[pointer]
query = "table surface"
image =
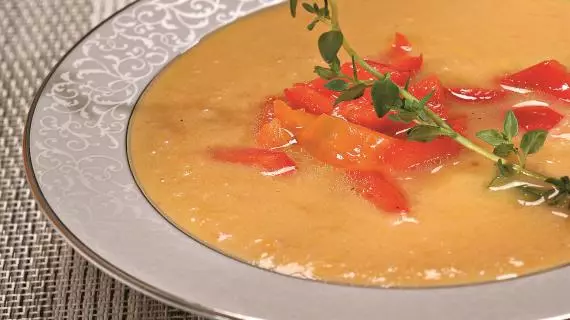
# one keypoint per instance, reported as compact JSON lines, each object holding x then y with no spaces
{"x":41,"y":276}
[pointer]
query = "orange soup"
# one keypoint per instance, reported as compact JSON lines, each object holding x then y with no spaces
{"x":239,"y":146}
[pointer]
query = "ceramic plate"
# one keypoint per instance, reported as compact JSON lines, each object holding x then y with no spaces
{"x":76,"y":160}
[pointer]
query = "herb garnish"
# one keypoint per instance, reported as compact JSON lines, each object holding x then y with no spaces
{"x":387,"y":97}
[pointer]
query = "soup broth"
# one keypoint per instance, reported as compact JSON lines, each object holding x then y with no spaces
{"x":311,"y":224}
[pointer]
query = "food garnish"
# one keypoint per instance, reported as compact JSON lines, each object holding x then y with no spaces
{"x":373,"y":118}
{"x":399,"y":103}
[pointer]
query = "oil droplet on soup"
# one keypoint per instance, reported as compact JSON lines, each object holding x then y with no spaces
{"x":311,"y":224}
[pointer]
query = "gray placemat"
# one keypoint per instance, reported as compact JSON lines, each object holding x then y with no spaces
{"x":41,"y":277}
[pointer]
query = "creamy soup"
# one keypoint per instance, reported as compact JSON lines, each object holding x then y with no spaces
{"x":312,"y":224}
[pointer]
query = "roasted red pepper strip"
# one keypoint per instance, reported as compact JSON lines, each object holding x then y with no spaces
{"x":400,"y":57}
{"x":401,"y":45}
{"x":273,"y":163}
{"x":408,"y":63}
{"x":310,"y":100}
{"x":362,"y":112}
{"x":342,"y":144}
{"x":548,"y":76}
{"x":420,"y":156}
{"x":427,"y":85}
{"x":399,"y":77}
{"x":477,"y":95}
{"x":266,"y":114}
{"x":379,"y":189}
{"x":424,"y":156}
{"x":534,"y":117}
{"x":319,"y":85}
{"x":347,"y":145}
{"x":292,"y":120}
{"x":272,"y":135}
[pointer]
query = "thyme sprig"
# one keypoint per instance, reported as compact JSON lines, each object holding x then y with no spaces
{"x":400,"y":105}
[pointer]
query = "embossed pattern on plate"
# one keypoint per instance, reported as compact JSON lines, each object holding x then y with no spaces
{"x":41,"y":277}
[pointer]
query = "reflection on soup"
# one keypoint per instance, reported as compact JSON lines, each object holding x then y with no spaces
{"x":237,"y":144}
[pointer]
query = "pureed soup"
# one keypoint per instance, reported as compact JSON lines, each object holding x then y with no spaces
{"x":424,"y":215}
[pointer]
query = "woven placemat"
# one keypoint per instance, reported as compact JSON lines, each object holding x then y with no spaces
{"x":41,"y":277}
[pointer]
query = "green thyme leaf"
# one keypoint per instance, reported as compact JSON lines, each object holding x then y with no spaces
{"x":396,"y":117}
{"x":424,"y":133}
{"x":422,"y":114}
{"x":325,"y":73}
{"x":351,"y":93}
{"x":558,"y":183}
{"x":532,"y":141}
{"x":492,"y":137}
{"x":504,"y":169}
{"x":566,"y":183}
{"x":559,"y":197}
{"x":293,"y":7}
{"x":500,"y":181}
{"x":426,"y":98}
{"x":337,"y":85}
{"x":329,"y":45}
{"x":312,"y":25}
{"x":511,"y":126}
{"x":310,"y":8}
{"x":531,"y":193}
{"x":384,"y":93}
{"x":408,"y":105}
{"x":399,"y":104}
{"x":504,"y":149}
{"x":403,"y":116}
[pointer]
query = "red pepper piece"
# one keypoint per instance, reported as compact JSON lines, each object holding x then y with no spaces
{"x":548,"y":76}
{"x":266,"y":113}
{"x":319,"y":85}
{"x":399,"y":77}
{"x":303,"y":97}
{"x":380,"y":190}
{"x":273,"y":163}
{"x":477,"y":95}
{"x":401,"y":45}
{"x":362,"y":112}
{"x":400,"y":55}
{"x":412,"y":155}
{"x":350,"y":146}
{"x":344,"y":144}
{"x":272,"y":135}
{"x":534,"y":118}
{"x":427,"y":85}
{"x":408,"y":63}
{"x":293,"y":120}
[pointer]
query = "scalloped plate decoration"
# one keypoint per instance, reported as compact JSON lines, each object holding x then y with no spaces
{"x":75,"y":144}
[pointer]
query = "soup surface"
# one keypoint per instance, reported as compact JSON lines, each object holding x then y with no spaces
{"x":312,"y":224}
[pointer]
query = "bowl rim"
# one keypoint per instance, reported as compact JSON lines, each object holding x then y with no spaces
{"x":86,"y":252}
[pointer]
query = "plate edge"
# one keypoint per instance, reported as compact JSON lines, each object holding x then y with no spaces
{"x":87,"y":253}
